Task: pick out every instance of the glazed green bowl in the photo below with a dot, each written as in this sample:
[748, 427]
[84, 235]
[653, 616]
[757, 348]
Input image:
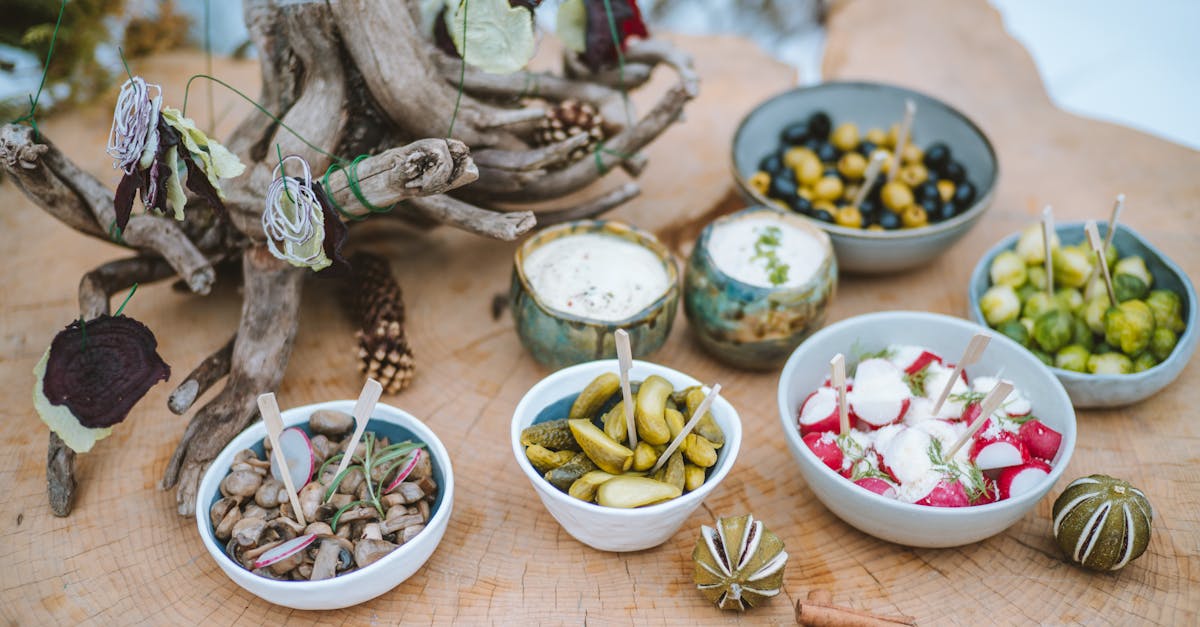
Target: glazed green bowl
[750, 326]
[558, 339]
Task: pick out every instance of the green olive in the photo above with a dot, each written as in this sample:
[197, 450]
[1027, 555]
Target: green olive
[852, 165]
[845, 137]
[896, 196]
[828, 188]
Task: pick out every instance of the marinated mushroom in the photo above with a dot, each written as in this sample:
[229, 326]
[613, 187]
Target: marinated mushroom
[271, 493]
[368, 551]
[325, 566]
[241, 483]
[247, 531]
[331, 423]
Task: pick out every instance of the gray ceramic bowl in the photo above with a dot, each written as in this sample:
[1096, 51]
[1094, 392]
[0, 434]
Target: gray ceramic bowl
[874, 105]
[1111, 390]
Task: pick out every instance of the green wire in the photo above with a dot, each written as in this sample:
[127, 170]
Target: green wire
[462, 72]
[126, 301]
[33, 100]
[612, 27]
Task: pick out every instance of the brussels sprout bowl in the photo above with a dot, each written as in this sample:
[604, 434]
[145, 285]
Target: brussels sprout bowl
[1104, 356]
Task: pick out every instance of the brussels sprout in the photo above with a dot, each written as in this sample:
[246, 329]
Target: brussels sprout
[1128, 287]
[1028, 324]
[1038, 304]
[1102, 347]
[1167, 308]
[1145, 361]
[1109, 363]
[1052, 330]
[1027, 290]
[1030, 245]
[1037, 277]
[1000, 304]
[1069, 298]
[1093, 313]
[1081, 333]
[1015, 331]
[1134, 265]
[1042, 356]
[1073, 357]
[1162, 343]
[1129, 326]
[1008, 269]
[1110, 256]
[1071, 267]
[1095, 287]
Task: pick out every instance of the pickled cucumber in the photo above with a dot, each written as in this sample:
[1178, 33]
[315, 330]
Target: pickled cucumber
[644, 456]
[672, 471]
[563, 476]
[650, 407]
[699, 450]
[614, 423]
[554, 435]
[593, 397]
[707, 427]
[629, 492]
[586, 486]
[608, 454]
[545, 459]
[675, 421]
[693, 477]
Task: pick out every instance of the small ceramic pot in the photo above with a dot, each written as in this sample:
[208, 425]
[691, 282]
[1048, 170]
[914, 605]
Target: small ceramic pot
[750, 326]
[558, 339]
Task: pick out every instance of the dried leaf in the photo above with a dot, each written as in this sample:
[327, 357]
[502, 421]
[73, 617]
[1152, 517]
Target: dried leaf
[336, 234]
[601, 50]
[123, 199]
[499, 36]
[201, 185]
[214, 160]
[571, 25]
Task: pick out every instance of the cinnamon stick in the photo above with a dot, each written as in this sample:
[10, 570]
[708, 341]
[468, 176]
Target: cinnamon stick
[819, 611]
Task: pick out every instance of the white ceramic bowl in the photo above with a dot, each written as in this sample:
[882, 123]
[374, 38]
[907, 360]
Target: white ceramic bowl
[889, 519]
[358, 586]
[610, 528]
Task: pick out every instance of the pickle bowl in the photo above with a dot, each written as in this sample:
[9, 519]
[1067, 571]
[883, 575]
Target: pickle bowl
[610, 528]
[360, 585]
[899, 522]
[1111, 390]
[557, 338]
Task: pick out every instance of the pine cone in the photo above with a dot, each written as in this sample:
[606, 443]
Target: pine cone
[376, 300]
[569, 118]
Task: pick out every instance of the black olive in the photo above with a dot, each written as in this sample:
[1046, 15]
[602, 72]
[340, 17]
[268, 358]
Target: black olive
[801, 205]
[783, 186]
[937, 156]
[876, 191]
[771, 164]
[931, 206]
[812, 143]
[928, 189]
[827, 153]
[955, 172]
[869, 206]
[947, 211]
[832, 170]
[794, 134]
[823, 216]
[964, 195]
[889, 220]
[819, 125]
[866, 148]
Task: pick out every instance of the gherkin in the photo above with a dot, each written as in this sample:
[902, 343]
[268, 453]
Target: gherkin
[1102, 523]
[739, 564]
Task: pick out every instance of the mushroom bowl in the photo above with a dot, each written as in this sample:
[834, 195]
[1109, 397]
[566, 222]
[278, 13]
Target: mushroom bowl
[378, 576]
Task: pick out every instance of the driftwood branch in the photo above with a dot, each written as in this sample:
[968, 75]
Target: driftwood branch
[497, 225]
[422, 168]
[60, 476]
[212, 369]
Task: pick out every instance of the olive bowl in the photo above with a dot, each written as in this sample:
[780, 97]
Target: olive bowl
[557, 339]
[609, 528]
[750, 326]
[889, 519]
[1110, 390]
[354, 587]
[870, 104]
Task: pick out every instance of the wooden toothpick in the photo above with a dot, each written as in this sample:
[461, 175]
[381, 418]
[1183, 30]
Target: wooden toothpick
[1047, 237]
[274, 423]
[691, 424]
[974, 351]
[991, 402]
[624, 363]
[910, 112]
[1108, 237]
[1094, 238]
[837, 376]
[362, 415]
[872, 173]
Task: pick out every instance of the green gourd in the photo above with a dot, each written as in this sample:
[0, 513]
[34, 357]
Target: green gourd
[1102, 523]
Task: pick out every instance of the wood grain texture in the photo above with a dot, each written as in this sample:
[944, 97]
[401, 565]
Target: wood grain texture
[125, 557]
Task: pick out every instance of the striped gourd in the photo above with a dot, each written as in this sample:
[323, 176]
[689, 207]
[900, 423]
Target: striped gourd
[739, 564]
[1102, 523]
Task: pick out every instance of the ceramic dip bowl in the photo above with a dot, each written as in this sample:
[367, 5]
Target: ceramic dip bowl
[601, 276]
[751, 322]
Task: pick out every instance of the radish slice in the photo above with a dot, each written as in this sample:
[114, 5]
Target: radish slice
[285, 550]
[297, 450]
[819, 412]
[989, 494]
[1042, 441]
[911, 359]
[946, 493]
[906, 456]
[1018, 480]
[1001, 451]
[936, 378]
[881, 396]
[878, 486]
[406, 469]
[1015, 404]
[825, 447]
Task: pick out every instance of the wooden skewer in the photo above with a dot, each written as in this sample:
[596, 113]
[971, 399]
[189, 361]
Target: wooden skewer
[974, 350]
[274, 423]
[624, 363]
[362, 415]
[910, 112]
[837, 368]
[991, 403]
[691, 424]
[1108, 237]
[1047, 237]
[1094, 237]
[872, 173]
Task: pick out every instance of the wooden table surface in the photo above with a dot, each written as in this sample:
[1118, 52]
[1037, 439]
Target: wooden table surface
[124, 556]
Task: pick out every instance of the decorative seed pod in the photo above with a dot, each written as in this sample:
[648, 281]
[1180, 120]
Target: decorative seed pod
[1102, 523]
[739, 564]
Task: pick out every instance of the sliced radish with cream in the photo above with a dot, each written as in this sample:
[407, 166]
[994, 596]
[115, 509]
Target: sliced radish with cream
[406, 469]
[828, 383]
[285, 550]
[825, 447]
[882, 487]
[906, 455]
[1015, 404]
[1042, 441]
[819, 413]
[920, 409]
[911, 359]
[936, 377]
[1019, 480]
[989, 494]
[297, 450]
[946, 493]
[881, 396]
[1001, 451]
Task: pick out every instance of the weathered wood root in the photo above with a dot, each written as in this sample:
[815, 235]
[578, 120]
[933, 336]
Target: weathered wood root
[212, 369]
[270, 313]
[422, 168]
[60, 476]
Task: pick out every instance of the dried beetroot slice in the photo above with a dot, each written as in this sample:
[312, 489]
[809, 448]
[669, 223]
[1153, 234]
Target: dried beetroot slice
[335, 235]
[198, 182]
[600, 51]
[101, 378]
[127, 190]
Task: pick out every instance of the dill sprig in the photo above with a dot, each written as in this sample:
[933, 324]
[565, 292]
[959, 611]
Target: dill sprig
[769, 240]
